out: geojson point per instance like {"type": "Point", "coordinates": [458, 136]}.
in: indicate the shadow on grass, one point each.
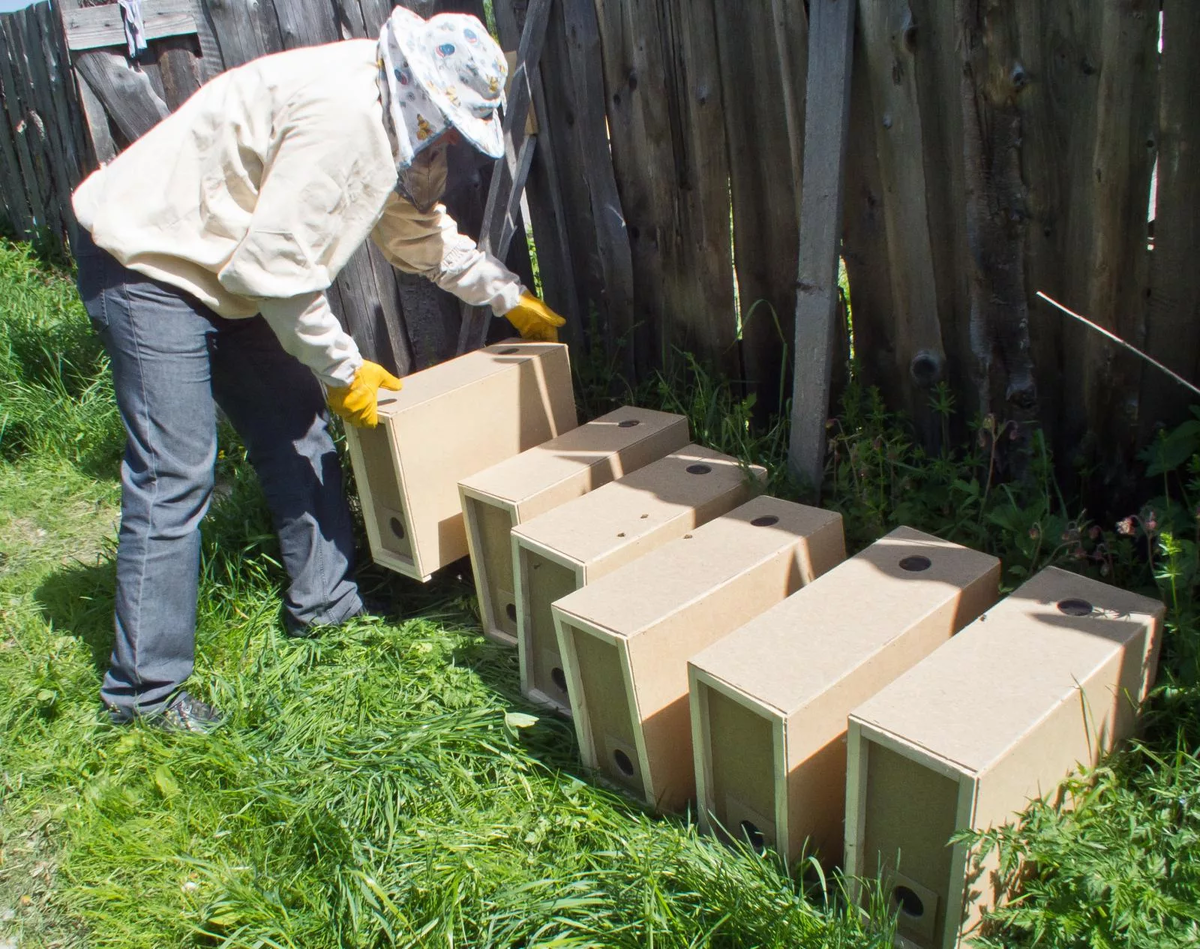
{"type": "Point", "coordinates": [78, 600]}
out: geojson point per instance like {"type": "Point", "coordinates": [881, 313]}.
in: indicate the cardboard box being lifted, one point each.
{"type": "Point", "coordinates": [496, 500]}
{"type": "Point", "coordinates": [769, 702]}
{"type": "Point", "coordinates": [448, 422]}
{"type": "Point", "coordinates": [582, 540]}
{"type": "Point", "coordinates": [1048, 680]}
{"type": "Point", "coordinates": [626, 639]}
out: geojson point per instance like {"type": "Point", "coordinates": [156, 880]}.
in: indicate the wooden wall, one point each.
{"type": "Point", "coordinates": [996, 149]}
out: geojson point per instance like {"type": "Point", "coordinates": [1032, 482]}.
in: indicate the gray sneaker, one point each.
{"type": "Point", "coordinates": [184, 713]}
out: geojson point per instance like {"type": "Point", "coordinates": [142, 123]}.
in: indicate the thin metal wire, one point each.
{"type": "Point", "coordinates": [1120, 342]}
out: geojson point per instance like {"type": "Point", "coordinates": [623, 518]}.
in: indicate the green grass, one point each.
{"type": "Point", "coordinates": [386, 784]}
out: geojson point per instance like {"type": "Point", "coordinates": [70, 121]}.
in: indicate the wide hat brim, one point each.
{"type": "Point", "coordinates": [415, 42]}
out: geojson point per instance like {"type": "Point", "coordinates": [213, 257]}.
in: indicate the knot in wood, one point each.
{"type": "Point", "coordinates": [925, 368]}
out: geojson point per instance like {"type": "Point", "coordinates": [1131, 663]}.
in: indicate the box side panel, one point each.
{"type": "Point", "coordinates": [659, 656]}
{"type": "Point", "coordinates": [392, 526]}
{"type": "Point", "coordinates": [910, 814]}
{"type": "Point", "coordinates": [606, 708]}
{"type": "Point", "coordinates": [492, 526]}
{"type": "Point", "coordinates": [816, 801]}
{"type": "Point", "coordinates": [546, 581]}
{"type": "Point", "coordinates": [465, 430]}
{"type": "Point", "coordinates": [741, 798]}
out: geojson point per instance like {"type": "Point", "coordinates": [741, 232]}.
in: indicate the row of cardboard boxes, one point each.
{"type": "Point", "coordinates": [713, 644]}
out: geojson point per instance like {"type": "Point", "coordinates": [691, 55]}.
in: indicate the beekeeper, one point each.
{"type": "Point", "coordinates": [210, 245]}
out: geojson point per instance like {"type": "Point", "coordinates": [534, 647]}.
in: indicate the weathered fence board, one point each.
{"type": "Point", "coordinates": [1121, 169]}
{"type": "Point", "coordinates": [891, 38]}
{"type": "Point", "coordinates": [765, 192]}
{"type": "Point", "coordinates": [1173, 323]}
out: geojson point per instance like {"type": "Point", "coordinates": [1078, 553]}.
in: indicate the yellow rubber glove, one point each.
{"type": "Point", "coordinates": [534, 320]}
{"type": "Point", "coordinates": [356, 403]}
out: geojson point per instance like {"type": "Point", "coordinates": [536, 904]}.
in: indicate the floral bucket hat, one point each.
{"type": "Point", "coordinates": [444, 72]}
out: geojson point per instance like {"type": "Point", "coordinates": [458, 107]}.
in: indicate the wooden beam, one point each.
{"type": "Point", "coordinates": [831, 37]}
{"type": "Point", "coordinates": [511, 171]}
{"type": "Point", "coordinates": [99, 27]}
{"type": "Point", "coordinates": [126, 92]}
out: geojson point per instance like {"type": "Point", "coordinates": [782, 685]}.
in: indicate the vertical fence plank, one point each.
{"type": "Point", "coordinates": [667, 131]}
{"type": "Point", "coordinates": [765, 193]}
{"type": "Point", "coordinates": [305, 22]}
{"type": "Point", "coordinates": [1057, 47]}
{"type": "Point", "coordinates": [1118, 279]}
{"type": "Point", "coordinates": [865, 238]}
{"type": "Point", "coordinates": [51, 148]}
{"type": "Point", "coordinates": [1173, 327]}
{"type": "Point", "coordinates": [890, 41]}
{"type": "Point", "coordinates": [12, 83]}
{"type": "Point", "coordinates": [244, 30]}
{"type": "Point", "coordinates": [573, 197]}
{"type": "Point", "coordinates": [16, 203]}
{"type": "Point", "coordinates": [606, 246]}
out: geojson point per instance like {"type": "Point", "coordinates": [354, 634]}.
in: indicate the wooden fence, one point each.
{"type": "Point", "coordinates": [995, 149]}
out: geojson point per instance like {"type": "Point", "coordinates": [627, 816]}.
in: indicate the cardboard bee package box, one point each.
{"type": "Point", "coordinates": [578, 542]}
{"type": "Point", "coordinates": [447, 423]}
{"type": "Point", "coordinates": [497, 499]}
{"type": "Point", "coordinates": [625, 639]}
{"type": "Point", "coordinates": [770, 701]}
{"type": "Point", "coordinates": [1048, 680]}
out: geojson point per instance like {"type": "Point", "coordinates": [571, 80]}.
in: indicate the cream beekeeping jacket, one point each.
{"type": "Point", "coordinates": [253, 195]}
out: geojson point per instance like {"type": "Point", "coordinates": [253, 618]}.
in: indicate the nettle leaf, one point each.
{"type": "Point", "coordinates": [1171, 449]}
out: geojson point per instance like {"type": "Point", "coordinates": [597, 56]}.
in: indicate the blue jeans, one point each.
{"type": "Point", "coordinates": [173, 361]}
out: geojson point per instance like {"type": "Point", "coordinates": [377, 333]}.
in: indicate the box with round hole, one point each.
{"type": "Point", "coordinates": [769, 702]}
{"type": "Point", "coordinates": [626, 638]}
{"type": "Point", "coordinates": [578, 542]}
{"type": "Point", "coordinates": [447, 423]}
{"type": "Point", "coordinates": [1047, 680]}
{"type": "Point", "coordinates": [497, 499]}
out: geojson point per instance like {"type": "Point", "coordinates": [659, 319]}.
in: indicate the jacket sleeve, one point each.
{"type": "Point", "coordinates": [309, 331]}
{"type": "Point", "coordinates": [323, 185]}
{"type": "Point", "coordinates": [429, 244]}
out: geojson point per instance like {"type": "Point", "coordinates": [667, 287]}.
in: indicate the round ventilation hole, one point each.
{"type": "Point", "coordinates": [511, 351]}
{"type": "Point", "coordinates": [1075, 607]}
{"type": "Point", "coordinates": [511, 611]}
{"type": "Point", "coordinates": [699, 469]}
{"type": "Point", "coordinates": [559, 678]}
{"type": "Point", "coordinates": [624, 765]}
{"type": "Point", "coordinates": [909, 903]}
{"type": "Point", "coordinates": [915, 564]}
{"type": "Point", "coordinates": [754, 836]}
{"type": "Point", "coordinates": [765, 521]}
{"type": "Point", "coordinates": [397, 527]}
{"type": "Point", "coordinates": [629, 423]}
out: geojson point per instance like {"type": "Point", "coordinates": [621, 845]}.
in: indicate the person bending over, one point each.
{"type": "Point", "coordinates": [207, 250]}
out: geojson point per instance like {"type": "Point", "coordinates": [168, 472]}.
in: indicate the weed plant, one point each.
{"type": "Point", "coordinates": [386, 785]}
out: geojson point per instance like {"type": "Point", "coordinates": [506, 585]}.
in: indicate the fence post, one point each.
{"type": "Point", "coordinates": [831, 37]}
